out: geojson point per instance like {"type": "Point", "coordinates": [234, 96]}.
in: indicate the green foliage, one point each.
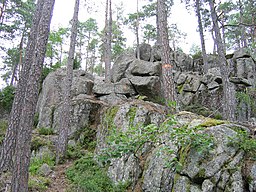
{"type": "Point", "coordinates": [87, 176]}
{"type": "Point", "coordinates": [47, 70]}
{"type": "Point", "coordinates": [36, 119]}
{"type": "Point", "coordinates": [3, 128]}
{"type": "Point", "coordinates": [75, 152]}
{"type": "Point", "coordinates": [242, 140]}
{"type": "Point", "coordinates": [38, 183]}
{"type": "Point", "coordinates": [36, 163]}
{"type": "Point", "coordinates": [194, 137]}
{"type": "Point", "coordinates": [202, 110]}
{"type": "Point", "coordinates": [86, 141]}
{"type": "Point", "coordinates": [45, 131]}
{"type": "Point", "coordinates": [132, 140]}
{"type": "Point", "coordinates": [6, 98]}
{"type": "Point", "coordinates": [195, 52]}
{"type": "Point", "coordinates": [248, 97]}
{"type": "Point", "coordinates": [38, 142]}
{"type": "Point", "coordinates": [77, 63]}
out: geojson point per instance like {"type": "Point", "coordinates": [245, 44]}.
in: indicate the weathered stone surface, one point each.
{"type": "Point", "coordinates": [84, 110]}
{"type": "Point", "coordinates": [103, 88]}
{"type": "Point", "coordinates": [181, 79]}
{"type": "Point", "coordinates": [186, 98]}
{"type": "Point", "coordinates": [212, 85]}
{"type": "Point", "coordinates": [127, 168]}
{"type": "Point", "coordinates": [44, 170]}
{"type": "Point", "coordinates": [121, 65]}
{"type": "Point", "coordinates": [199, 173]}
{"type": "Point", "coordinates": [124, 87]}
{"type": "Point", "coordinates": [241, 53]}
{"type": "Point", "coordinates": [144, 68]}
{"type": "Point", "coordinates": [149, 86]}
{"type": "Point", "coordinates": [52, 90]}
{"type": "Point", "coordinates": [239, 80]}
{"type": "Point", "coordinates": [144, 51]}
{"type": "Point", "coordinates": [113, 99]}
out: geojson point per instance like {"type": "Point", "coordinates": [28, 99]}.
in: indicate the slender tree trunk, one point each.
{"type": "Point", "coordinates": [87, 52]}
{"type": "Point", "coordinates": [228, 87]}
{"type": "Point", "coordinates": [8, 145]}
{"type": "Point", "coordinates": [2, 9]}
{"type": "Point", "coordinates": [22, 150]}
{"type": "Point", "coordinates": [108, 37]}
{"type": "Point", "coordinates": [243, 35]}
{"type": "Point", "coordinates": [168, 82]}
{"type": "Point", "coordinates": [137, 31]}
{"type": "Point", "coordinates": [66, 106]}
{"type": "Point", "coordinates": [201, 32]}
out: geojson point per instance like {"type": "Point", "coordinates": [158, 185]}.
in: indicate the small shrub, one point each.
{"type": "Point", "coordinates": [36, 119]}
{"type": "Point", "coordinates": [87, 176]}
{"type": "Point", "coordinates": [45, 131]}
{"type": "Point", "coordinates": [6, 97]}
{"type": "Point", "coordinates": [36, 163]}
{"type": "Point", "coordinates": [38, 183]}
{"type": "Point", "coordinates": [3, 128]}
{"type": "Point", "coordinates": [242, 140]}
{"type": "Point", "coordinates": [38, 142]}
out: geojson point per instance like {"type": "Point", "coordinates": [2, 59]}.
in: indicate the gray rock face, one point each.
{"type": "Point", "coordinates": [84, 106]}
{"type": "Point", "coordinates": [120, 66]}
{"type": "Point", "coordinates": [219, 170]}
{"type": "Point", "coordinates": [145, 52]}
{"type": "Point", "coordinates": [44, 170]}
{"type": "Point", "coordinates": [127, 168]}
{"type": "Point", "coordinates": [84, 112]}
{"type": "Point", "coordinates": [52, 90]}
{"type": "Point", "coordinates": [144, 68]}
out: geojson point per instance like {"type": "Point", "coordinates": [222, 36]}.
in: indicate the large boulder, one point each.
{"type": "Point", "coordinates": [220, 169]}
{"type": "Point", "coordinates": [133, 113]}
{"type": "Point", "coordinates": [121, 65]}
{"type": "Point", "coordinates": [144, 51]}
{"type": "Point", "coordinates": [52, 93]}
{"type": "Point", "coordinates": [83, 113]}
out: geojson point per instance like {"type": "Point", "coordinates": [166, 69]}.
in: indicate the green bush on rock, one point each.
{"type": "Point", "coordinates": [87, 176]}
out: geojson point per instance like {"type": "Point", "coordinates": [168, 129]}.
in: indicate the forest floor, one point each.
{"type": "Point", "coordinates": [59, 182]}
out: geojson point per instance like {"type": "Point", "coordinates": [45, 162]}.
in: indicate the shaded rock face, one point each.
{"type": "Point", "coordinates": [222, 169]}
{"type": "Point", "coordinates": [127, 168]}
{"type": "Point", "coordinates": [143, 77]}
{"type": "Point", "coordinates": [84, 106]}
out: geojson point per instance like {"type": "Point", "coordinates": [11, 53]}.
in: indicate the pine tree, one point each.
{"type": "Point", "coordinates": [167, 67]}
{"type": "Point", "coordinates": [66, 106]}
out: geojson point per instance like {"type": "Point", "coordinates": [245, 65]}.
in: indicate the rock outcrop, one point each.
{"type": "Point", "coordinates": [221, 169]}
{"type": "Point", "coordinates": [103, 106]}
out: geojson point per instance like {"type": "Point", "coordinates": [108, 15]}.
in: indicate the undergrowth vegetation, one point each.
{"type": "Point", "coordinates": [134, 139]}
{"type": "Point", "coordinates": [87, 176]}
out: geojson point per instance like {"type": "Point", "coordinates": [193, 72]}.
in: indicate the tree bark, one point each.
{"type": "Point", "coordinates": [137, 31]}
{"type": "Point", "coordinates": [8, 146]}
{"type": "Point", "coordinates": [228, 87]}
{"type": "Point", "coordinates": [66, 106]}
{"type": "Point", "coordinates": [22, 150]}
{"type": "Point", "coordinates": [167, 66]}
{"type": "Point", "coordinates": [201, 32]}
{"type": "Point", "coordinates": [108, 36]}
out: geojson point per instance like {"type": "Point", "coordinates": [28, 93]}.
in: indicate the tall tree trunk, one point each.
{"type": "Point", "coordinates": [168, 82]}
{"type": "Point", "coordinates": [228, 87]}
{"type": "Point", "coordinates": [8, 145]}
{"type": "Point", "coordinates": [137, 31]}
{"type": "Point", "coordinates": [66, 106]}
{"type": "Point", "coordinates": [106, 43]}
{"type": "Point", "coordinates": [2, 9]}
{"type": "Point", "coordinates": [243, 35]}
{"type": "Point", "coordinates": [22, 150]}
{"type": "Point", "coordinates": [201, 32]}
